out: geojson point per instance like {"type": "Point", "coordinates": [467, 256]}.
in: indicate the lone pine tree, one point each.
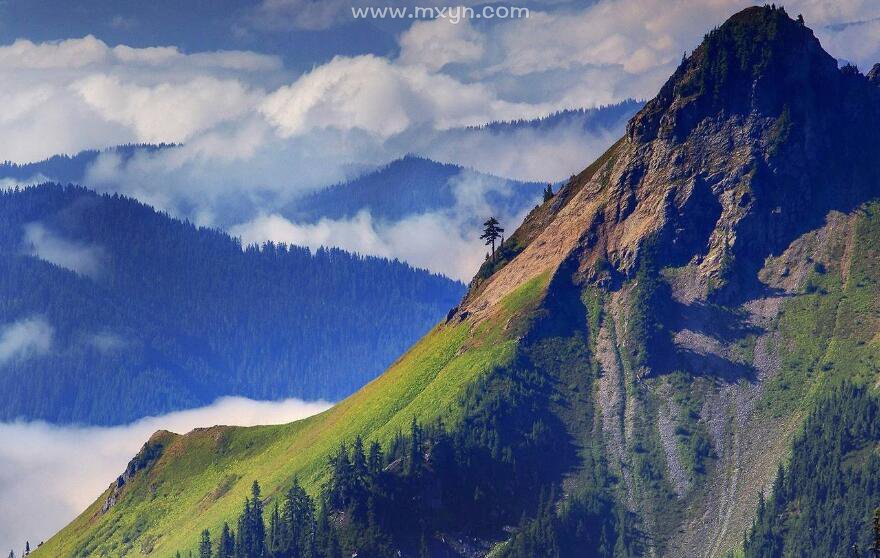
{"type": "Point", "coordinates": [491, 232]}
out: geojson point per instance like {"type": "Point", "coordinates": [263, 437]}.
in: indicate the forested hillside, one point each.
{"type": "Point", "coordinates": [120, 312]}
{"type": "Point", "coordinates": [824, 501]}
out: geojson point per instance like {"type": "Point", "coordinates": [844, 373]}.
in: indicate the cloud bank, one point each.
{"type": "Point", "coordinates": [49, 474]}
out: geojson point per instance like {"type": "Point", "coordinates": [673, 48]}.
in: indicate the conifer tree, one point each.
{"type": "Point", "coordinates": [298, 522]}
{"type": "Point", "coordinates": [376, 460]}
{"type": "Point", "coordinates": [258, 527]}
{"type": "Point", "coordinates": [340, 490]}
{"type": "Point", "coordinates": [205, 545]}
{"type": "Point", "coordinates": [275, 544]}
{"type": "Point", "coordinates": [226, 544]}
{"type": "Point", "coordinates": [491, 232]}
{"type": "Point", "coordinates": [244, 533]}
{"type": "Point", "coordinates": [415, 448]}
{"type": "Point", "coordinates": [548, 193]}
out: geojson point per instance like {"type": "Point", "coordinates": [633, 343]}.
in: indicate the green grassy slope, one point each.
{"type": "Point", "coordinates": [203, 477]}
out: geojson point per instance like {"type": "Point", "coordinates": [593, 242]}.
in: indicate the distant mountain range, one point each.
{"type": "Point", "coordinates": [410, 186]}
{"type": "Point", "coordinates": [110, 311]}
{"type": "Point", "coordinates": [589, 120]}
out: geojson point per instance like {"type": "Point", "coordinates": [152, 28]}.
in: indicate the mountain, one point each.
{"type": "Point", "coordinates": [410, 186]}
{"type": "Point", "coordinates": [68, 168]}
{"type": "Point", "coordinates": [110, 311]}
{"type": "Point", "coordinates": [624, 378]}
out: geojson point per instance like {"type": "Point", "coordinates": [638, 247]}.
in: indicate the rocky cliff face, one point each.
{"type": "Point", "coordinates": [738, 185]}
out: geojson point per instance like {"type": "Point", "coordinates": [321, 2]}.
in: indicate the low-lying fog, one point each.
{"type": "Point", "coordinates": [50, 473]}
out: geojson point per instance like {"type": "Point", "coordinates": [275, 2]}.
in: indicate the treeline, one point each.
{"type": "Point", "coordinates": [824, 503]}
{"type": "Point", "coordinates": [430, 490]}
{"type": "Point", "coordinates": [174, 316]}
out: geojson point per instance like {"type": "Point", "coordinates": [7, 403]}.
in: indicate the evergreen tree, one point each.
{"type": "Point", "coordinates": [491, 232]}
{"type": "Point", "coordinates": [415, 458]}
{"type": "Point", "coordinates": [548, 193]}
{"type": "Point", "coordinates": [205, 545]}
{"type": "Point", "coordinates": [27, 548]}
{"type": "Point", "coordinates": [258, 527]}
{"type": "Point", "coordinates": [376, 460]}
{"type": "Point", "coordinates": [244, 534]}
{"type": "Point", "coordinates": [341, 483]}
{"type": "Point", "coordinates": [298, 523]}
{"type": "Point", "coordinates": [226, 544]}
{"type": "Point", "coordinates": [275, 544]}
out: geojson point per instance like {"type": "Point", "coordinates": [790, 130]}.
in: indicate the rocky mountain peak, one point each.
{"type": "Point", "coordinates": [759, 61]}
{"type": "Point", "coordinates": [751, 142]}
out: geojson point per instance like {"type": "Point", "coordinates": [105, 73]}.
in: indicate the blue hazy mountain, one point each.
{"type": "Point", "coordinates": [409, 186]}
{"type": "Point", "coordinates": [119, 311]}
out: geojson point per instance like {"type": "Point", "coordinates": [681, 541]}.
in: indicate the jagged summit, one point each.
{"type": "Point", "coordinates": [760, 61]}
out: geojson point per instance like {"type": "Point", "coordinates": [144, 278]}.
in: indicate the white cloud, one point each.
{"type": "Point", "coordinates": [166, 112]}
{"type": "Point", "coordinates": [12, 183]}
{"type": "Point", "coordinates": [49, 473]}
{"type": "Point", "coordinates": [66, 96]}
{"type": "Point", "coordinates": [298, 14]}
{"type": "Point", "coordinates": [439, 42]}
{"type": "Point", "coordinates": [106, 341]}
{"type": "Point", "coordinates": [90, 51]}
{"type": "Point", "coordinates": [24, 338]}
{"type": "Point", "coordinates": [80, 258]}
{"type": "Point", "coordinates": [373, 94]}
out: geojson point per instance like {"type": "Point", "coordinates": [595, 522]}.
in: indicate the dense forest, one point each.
{"type": "Point", "coordinates": [434, 493]}
{"type": "Point", "coordinates": [142, 314]}
{"type": "Point", "coordinates": [824, 502]}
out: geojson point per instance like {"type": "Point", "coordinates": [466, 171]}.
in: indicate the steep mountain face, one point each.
{"type": "Point", "coordinates": [662, 327]}
{"type": "Point", "coordinates": [709, 229]}
{"type": "Point", "coordinates": [110, 311]}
